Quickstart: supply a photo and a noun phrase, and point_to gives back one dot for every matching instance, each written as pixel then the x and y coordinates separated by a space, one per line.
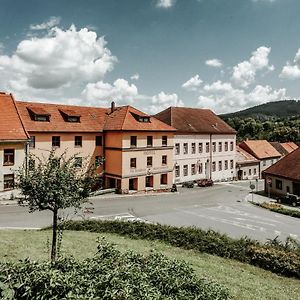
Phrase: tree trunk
pixel 54 235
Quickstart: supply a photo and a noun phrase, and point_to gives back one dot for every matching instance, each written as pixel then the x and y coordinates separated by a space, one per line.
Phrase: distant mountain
pixel 285 108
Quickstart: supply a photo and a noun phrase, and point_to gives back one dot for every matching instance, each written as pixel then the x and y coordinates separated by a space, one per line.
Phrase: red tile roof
pixel 288 167
pixel 194 120
pixel 91 120
pixel 289 147
pixel 124 118
pixel 279 148
pixel 244 157
pixel 261 149
pixel 11 127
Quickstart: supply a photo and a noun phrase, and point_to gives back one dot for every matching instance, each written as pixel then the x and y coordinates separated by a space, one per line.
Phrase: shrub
pixel 244 249
pixel 110 274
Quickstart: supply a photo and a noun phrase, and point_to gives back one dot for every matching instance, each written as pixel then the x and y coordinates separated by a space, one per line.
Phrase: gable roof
pixel 289 147
pixel 288 167
pixel 260 149
pixel 11 126
pixel 91 118
pixel 125 118
pixel 242 156
pixel 194 120
pixel 279 148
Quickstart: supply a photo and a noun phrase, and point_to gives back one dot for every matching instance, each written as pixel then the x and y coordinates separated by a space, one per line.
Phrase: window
pixel 98 140
pixel 185 148
pixel 220 165
pixel 78 162
pixel 164 179
pixel 193 148
pixel 226 146
pixel 78 141
pixel 185 170
pixel 9 157
pixel 98 161
pixel 149 181
pixel 264 163
pixel 250 172
pixel 200 147
pixel 207 147
pixel 56 141
pixel 41 118
pixel 231 164
pixel 177 171
pixel 133 141
pixel 9 181
pixel 220 146
pixel 214 166
pixel 149 141
pixel 200 168
pixel 278 184
pixel 164 140
pixel 231 146
pixel 177 148
pixel 149 161
pixel 32 142
pixel 193 171
pixel 132 162
pixel 214 146
pixel 288 189
pixel 73 119
pixel 272 161
pixel 254 171
pixel 164 160
pixel 226 165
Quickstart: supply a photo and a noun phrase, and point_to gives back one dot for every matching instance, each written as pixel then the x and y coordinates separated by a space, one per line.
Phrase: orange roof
pixel 260 149
pixel 287 167
pixel 91 120
pixel 11 127
pixel 289 147
pixel 194 120
pixel 242 156
pixel 125 118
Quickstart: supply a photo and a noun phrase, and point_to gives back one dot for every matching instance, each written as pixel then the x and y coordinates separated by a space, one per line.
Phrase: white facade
pixel 204 156
pixel 247 171
pixel 266 163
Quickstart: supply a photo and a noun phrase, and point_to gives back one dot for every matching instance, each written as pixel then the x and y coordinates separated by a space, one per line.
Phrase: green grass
pixel 243 281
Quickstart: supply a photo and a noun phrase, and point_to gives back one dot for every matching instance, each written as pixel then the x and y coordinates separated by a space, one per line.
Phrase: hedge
pixel 109 275
pixel 283 259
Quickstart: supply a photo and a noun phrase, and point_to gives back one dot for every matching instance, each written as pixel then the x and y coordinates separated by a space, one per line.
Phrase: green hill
pixel 281 109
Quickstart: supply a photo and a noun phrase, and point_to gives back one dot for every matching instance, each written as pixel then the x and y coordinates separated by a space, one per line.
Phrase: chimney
pixel 113 107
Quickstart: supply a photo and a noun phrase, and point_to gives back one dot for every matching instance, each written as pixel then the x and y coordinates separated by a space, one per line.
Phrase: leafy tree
pixel 53 184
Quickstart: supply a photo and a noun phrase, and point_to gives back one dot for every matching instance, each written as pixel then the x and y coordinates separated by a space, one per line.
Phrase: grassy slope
pixel 244 281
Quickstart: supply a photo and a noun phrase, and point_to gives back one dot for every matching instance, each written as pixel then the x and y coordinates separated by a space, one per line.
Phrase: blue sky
pixel 220 54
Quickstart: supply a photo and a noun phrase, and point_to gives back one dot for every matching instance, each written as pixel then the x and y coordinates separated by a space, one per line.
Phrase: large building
pixel 284 176
pixel 204 145
pixel 13 141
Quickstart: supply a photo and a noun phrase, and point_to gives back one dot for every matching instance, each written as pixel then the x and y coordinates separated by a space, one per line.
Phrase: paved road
pixel 221 207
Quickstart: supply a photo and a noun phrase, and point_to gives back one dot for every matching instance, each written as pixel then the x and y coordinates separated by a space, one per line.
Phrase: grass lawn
pixel 242 280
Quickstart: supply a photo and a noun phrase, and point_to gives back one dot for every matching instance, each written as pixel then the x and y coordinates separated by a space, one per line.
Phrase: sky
pixel 225 55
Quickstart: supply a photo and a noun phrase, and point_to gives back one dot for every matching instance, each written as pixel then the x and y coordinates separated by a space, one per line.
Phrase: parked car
pixel 205 182
pixel 188 184
pixel 290 199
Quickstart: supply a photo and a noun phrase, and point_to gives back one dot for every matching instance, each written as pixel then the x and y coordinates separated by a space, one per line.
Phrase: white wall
pixel 205 158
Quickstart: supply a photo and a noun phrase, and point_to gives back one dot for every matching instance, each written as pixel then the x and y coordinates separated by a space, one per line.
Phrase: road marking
pixel 20 228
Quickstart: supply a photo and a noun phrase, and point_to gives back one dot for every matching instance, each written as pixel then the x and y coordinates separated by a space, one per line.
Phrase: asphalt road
pixel 221 207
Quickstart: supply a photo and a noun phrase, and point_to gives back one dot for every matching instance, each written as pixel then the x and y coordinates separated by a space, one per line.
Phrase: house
pixel 289 147
pixel 13 141
pixel 247 166
pixel 205 145
pixel 284 148
pixel 284 176
pixel 263 151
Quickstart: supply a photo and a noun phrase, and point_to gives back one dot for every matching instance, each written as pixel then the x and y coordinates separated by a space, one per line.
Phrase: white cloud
pixel 135 76
pixel 245 72
pixel 292 71
pixel 216 63
pixel 193 83
pixel 101 93
pixel 165 3
pixel 52 22
pixel 222 97
pixel 162 100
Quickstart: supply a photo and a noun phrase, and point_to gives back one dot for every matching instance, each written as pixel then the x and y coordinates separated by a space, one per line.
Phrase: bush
pixel 285 257
pixel 108 275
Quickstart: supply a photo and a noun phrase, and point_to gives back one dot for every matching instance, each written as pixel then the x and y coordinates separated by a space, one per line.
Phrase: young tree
pixel 53 184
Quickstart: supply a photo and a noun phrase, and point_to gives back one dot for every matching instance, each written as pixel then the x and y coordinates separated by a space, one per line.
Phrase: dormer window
pixel 141 118
pixel 70 115
pixel 38 114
